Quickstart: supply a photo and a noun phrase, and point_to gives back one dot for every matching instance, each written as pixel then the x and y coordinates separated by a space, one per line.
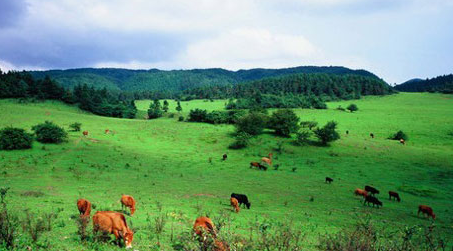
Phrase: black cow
pixel 242 199
pixel 372 135
pixel 224 157
pixel 329 180
pixel 373 200
pixel 371 190
pixel 394 195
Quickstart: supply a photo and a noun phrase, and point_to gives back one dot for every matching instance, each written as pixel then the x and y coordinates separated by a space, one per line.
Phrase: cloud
pixel 11 11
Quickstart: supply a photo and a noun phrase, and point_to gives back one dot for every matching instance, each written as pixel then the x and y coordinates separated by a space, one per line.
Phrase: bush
pixel 242 141
pixel 155 110
pixel 49 132
pixel 340 108
pixel 352 108
pixel 15 138
pixel 302 137
pixel 75 126
pixel 197 115
pixel 309 124
pixel 216 117
pixel 399 135
pixel 328 133
pixel 252 123
pixel 181 118
pixel 284 122
pixel 8 224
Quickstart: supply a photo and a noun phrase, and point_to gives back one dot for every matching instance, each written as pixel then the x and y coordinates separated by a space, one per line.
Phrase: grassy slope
pixel 168 162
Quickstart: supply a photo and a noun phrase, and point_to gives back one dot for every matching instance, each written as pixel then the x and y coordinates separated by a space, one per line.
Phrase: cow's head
pixel 248 205
pixel 127 237
pixel 434 216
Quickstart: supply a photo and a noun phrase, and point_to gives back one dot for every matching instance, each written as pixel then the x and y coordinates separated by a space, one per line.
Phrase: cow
pixel 402 141
pixel 373 200
pixel 107 131
pixel 234 203
pixel 84 207
pixel 85 133
pixel 372 135
pixel 204 225
pixel 128 201
pixel 113 223
pixel 361 192
pixel 394 195
pixel 371 190
pixel 224 157
pixel 256 164
pixel 426 210
pixel 242 199
pixel 329 180
pixel 268 159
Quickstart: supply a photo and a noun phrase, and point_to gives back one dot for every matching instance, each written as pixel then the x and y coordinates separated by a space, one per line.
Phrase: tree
pixel 328 133
pixel 252 123
pixel 197 115
pixel 154 110
pixel 242 141
pixel 352 108
pixel 284 122
pixel 302 137
pixel 309 124
pixel 165 108
pixel 49 132
pixel 178 107
pixel 14 138
pixel 75 126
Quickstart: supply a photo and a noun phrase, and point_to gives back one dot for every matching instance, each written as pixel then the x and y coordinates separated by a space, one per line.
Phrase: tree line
pixel 443 84
pixel 98 101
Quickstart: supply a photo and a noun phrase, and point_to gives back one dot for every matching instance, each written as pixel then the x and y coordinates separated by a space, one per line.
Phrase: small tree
pixel 284 122
pixel 302 137
pixel 14 138
pixel 197 115
pixel 399 135
pixel 352 108
pixel 49 132
pixel 309 124
pixel 155 110
pixel 252 123
pixel 242 141
pixel 165 108
pixel 328 133
pixel 75 126
pixel 178 107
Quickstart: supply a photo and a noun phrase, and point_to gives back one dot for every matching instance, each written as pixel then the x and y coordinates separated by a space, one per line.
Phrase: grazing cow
pixel 224 157
pixel 361 192
pixel 84 207
pixel 402 141
pixel 204 225
pixel 128 201
pixel 113 223
pixel 256 164
pixel 426 210
pixel 371 190
pixel 107 131
pixel 372 135
pixel 329 180
pixel 242 199
pixel 234 203
pixel 268 159
pixel 85 133
pixel 373 200
pixel 394 195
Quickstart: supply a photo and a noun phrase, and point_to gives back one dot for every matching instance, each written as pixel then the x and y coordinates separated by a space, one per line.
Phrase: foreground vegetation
pixel 175 172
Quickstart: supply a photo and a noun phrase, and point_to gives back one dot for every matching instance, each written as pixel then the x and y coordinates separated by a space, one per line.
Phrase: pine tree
pixel 178 107
pixel 165 108
pixel 155 110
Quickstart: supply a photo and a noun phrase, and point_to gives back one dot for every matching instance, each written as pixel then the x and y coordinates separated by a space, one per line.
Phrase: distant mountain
pixel 442 84
pixel 178 80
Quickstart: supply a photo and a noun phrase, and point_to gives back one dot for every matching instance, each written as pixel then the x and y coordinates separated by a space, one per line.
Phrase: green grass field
pixel 164 164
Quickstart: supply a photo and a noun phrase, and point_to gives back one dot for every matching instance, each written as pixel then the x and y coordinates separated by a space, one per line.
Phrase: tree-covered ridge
pixel 442 84
pixel 171 82
pixel 98 101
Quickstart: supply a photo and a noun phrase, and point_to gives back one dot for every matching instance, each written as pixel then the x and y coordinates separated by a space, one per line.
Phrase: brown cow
pixel 394 195
pixel 235 204
pixel 267 160
pixel 361 192
pixel 84 207
pixel 107 131
pixel 128 201
pixel 85 133
pixel 426 210
pixel 258 165
pixel 204 225
pixel 402 141
pixel 113 223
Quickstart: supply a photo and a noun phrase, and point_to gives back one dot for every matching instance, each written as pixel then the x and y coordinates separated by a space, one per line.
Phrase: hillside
pixel 165 165
pixel 176 80
pixel 443 84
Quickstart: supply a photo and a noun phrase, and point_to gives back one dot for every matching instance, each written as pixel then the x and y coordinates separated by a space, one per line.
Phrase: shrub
pixel 302 137
pixel 49 132
pixel 216 117
pixel 252 123
pixel 399 135
pixel 181 118
pixel 197 115
pixel 309 124
pixel 8 224
pixel 328 133
pixel 75 126
pixel 284 122
pixel 155 110
pixel 242 141
pixel 352 108
pixel 340 108
pixel 15 138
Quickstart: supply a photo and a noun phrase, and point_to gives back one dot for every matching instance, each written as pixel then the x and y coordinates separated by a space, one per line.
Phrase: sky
pixel 396 39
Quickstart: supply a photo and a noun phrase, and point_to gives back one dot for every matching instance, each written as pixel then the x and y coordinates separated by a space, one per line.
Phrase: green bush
pixel 399 135
pixel 252 123
pixel 302 137
pixel 352 108
pixel 309 124
pixel 197 115
pixel 328 133
pixel 242 141
pixel 284 122
pixel 15 138
pixel 181 118
pixel 155 110
pixel 76 127
pixel 49 132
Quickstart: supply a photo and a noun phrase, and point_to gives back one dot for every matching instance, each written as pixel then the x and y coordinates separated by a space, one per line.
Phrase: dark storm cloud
pixel 11 11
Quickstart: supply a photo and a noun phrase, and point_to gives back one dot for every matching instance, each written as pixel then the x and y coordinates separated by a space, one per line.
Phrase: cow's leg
pixel 117 235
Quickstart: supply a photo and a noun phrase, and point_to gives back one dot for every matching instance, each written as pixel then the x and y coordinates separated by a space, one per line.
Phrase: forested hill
pixel 177 80
pixel 442 84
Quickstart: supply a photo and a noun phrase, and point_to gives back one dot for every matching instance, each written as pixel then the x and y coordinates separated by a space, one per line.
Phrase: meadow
pixel 165 165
